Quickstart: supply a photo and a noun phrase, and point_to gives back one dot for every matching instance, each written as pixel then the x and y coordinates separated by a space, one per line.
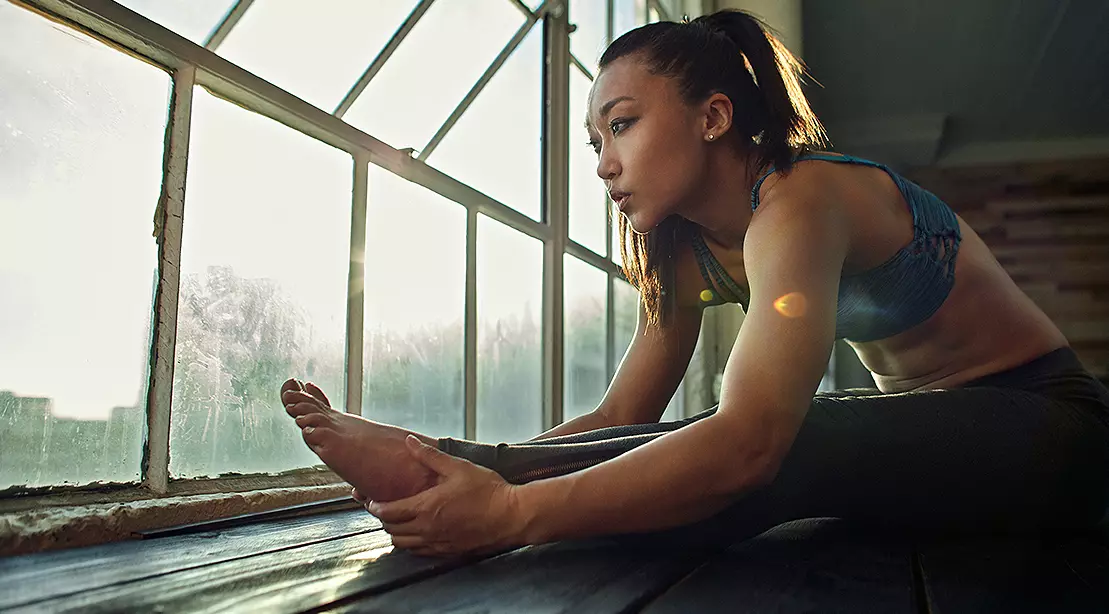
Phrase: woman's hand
pixel 470 510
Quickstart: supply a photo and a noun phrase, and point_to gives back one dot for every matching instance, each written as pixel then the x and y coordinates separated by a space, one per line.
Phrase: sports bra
pixel 887 299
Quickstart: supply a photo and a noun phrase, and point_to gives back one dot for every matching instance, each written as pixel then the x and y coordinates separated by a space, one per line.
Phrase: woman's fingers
pixel 396 512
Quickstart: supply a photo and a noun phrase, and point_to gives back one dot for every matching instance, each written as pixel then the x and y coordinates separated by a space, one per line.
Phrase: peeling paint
pixel 86 525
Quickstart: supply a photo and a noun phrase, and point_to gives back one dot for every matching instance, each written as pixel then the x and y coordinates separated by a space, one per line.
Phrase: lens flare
pixel 792 305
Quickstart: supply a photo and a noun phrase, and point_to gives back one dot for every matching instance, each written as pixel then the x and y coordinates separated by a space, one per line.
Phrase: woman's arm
pixel 647 377
pixel 794 253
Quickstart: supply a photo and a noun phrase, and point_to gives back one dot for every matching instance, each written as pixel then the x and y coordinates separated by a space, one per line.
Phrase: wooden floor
pixel 342 562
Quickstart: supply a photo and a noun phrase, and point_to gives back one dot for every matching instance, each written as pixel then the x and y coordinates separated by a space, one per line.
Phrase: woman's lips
pixel 620 198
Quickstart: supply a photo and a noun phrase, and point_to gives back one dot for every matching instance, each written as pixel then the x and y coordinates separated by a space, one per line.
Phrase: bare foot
pixel 370 455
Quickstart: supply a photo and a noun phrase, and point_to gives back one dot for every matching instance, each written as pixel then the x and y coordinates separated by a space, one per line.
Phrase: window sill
pixel 85 518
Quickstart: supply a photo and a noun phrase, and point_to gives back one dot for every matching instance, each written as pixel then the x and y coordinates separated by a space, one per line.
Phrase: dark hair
pixel 733 53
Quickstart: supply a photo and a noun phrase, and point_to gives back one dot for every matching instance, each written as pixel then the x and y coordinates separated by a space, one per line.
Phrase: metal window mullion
pixel 470 333
pixel 556 201
pixel 576 62
pixel 382 57
pixel 356 285
pixel 168 224
pixel 230 20
pixel 472 95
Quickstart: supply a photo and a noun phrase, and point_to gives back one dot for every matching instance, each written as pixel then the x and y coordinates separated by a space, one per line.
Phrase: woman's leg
pixel 973 459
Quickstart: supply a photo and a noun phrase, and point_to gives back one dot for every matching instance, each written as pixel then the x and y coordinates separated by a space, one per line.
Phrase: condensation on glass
pixel 81 133
pixel 414 308
pixel 509 351
pixel 586 377
pixel 265 255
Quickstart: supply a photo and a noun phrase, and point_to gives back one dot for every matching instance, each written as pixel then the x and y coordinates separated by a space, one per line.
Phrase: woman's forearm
pixel 684 476
pixel 591 421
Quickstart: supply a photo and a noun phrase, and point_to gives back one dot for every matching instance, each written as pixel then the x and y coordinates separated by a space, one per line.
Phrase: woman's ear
pixel 717 112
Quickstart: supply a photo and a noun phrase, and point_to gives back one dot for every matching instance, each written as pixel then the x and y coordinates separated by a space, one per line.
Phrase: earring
pixel 711 136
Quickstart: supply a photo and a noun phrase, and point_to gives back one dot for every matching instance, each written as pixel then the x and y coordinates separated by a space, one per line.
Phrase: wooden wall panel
pixel 1048 226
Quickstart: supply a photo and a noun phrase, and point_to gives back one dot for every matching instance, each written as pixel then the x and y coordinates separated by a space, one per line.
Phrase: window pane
pixel 626 15
pixel 586 378
pixel 316 51
pixel 625 310
pixel 264 268
pixel 431 71
pixel 415 300
pixel 81 132
pixel 588 41
pixel 193 19
pixel 496 145
pixel 509 303
pixel 588 199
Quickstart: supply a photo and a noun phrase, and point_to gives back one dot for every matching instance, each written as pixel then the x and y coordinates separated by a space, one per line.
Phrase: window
pixel 266 243
pixel 192 19
pixel 264 260
pixel 316 51
pixel 495 146
pixel 584 329
pixel 415 281
pixel 422 82
pixel 81 130
pixel 588 198
pixel 509 351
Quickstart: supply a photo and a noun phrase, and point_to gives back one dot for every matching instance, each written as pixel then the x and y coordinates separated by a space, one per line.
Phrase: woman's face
pixel 650 143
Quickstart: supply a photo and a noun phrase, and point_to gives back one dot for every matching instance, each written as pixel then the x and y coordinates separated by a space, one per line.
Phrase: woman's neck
pixel 723 206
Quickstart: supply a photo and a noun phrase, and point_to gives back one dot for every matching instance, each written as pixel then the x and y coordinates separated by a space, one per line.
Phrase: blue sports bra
pixel 887 299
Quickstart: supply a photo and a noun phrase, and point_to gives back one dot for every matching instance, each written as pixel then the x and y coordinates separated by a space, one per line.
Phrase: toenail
pixel 308 430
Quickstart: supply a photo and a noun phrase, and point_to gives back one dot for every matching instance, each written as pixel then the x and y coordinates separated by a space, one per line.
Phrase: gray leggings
pixel 1022 450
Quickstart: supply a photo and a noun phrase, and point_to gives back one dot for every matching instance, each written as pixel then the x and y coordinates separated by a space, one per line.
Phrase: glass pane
pixel 415 301
pixel 588 198
pixel 586 378
pixel 431 71
pixel 610 209
pixel 496 145
pixel 264 266
pixel 588 41
pixel 193 19
pixel 626 312
pixel 626 15
pixel 81 131
pixel 625 308
pixel 313 50
pixel 509 358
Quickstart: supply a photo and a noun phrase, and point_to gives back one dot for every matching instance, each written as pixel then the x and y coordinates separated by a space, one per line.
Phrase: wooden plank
pixel 293 580
pixel 812 565
pixel 595 576
pixel 1016 575
pixel 37 577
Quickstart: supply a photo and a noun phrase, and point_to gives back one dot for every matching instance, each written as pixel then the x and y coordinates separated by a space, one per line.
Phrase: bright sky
pixel 81 130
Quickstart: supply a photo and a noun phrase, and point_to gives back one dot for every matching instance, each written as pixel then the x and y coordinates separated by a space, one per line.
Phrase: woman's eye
pixel 619 125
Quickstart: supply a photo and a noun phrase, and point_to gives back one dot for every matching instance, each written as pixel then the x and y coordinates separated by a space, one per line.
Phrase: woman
pixel 983 418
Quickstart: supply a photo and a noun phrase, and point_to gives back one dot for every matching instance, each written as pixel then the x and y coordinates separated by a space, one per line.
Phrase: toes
pixel 312 419
pixel 294 397
pixel 291 384
pixel 315 436
pixel 315 391
pixel 359 497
